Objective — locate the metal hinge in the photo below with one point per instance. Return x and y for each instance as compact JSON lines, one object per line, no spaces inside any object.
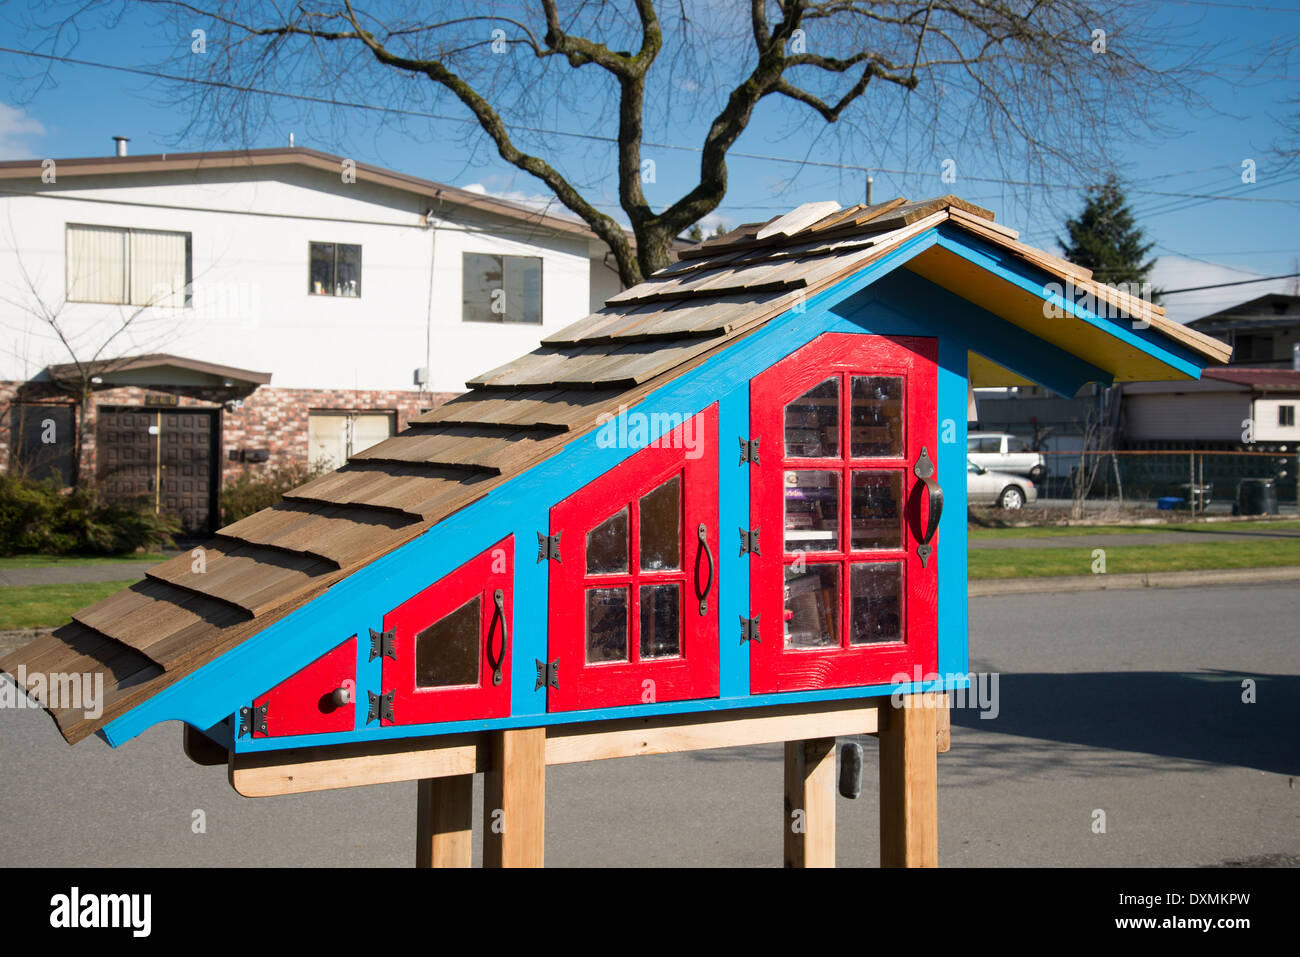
{"x":252,"y":720}
{"x":749,"y":451}
{"x":382,"y":643}
{"x":548,"y":546}
{"x":381,"y":707}
{"x":749,"y":541}
{"x":749,"y":629}
{"x":548,"y":674}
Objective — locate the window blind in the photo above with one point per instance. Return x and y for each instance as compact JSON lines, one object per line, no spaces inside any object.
{"x":157,"y":268}
{"x":96,"y":264}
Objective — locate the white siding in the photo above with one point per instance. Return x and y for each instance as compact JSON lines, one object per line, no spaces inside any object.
{"x":251,"y":309}
{"x":1266,"y":418}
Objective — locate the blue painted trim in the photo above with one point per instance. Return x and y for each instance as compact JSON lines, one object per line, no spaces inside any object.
{"x":954,"y":319}
{"x":864,"y":316}
{"x":1038,"y":283}
{"x":938,"y":682}
{"x":522,"y":505}
{"x":733,"y":514}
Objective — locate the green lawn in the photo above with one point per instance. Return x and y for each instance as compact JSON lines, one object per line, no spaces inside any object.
{"x":1045,"y":562}
{"x":1055,"y":531}
{"x":46,"y":606}
{"x":48,"y":561}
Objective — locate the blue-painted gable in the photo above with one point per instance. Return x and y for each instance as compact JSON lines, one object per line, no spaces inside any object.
{"x":879,"y":299}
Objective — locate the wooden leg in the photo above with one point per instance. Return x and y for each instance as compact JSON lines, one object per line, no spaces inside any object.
{"x":810,"y":803}
{"x":909,"y":784}
{"x":445,"y":821}
{"x":514,"y":799}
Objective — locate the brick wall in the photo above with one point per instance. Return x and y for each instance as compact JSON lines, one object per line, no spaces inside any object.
{"x":276,"y":419}
{"x":266,"y":418}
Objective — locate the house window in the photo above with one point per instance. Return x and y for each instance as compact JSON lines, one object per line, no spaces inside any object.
{"x":42,"y":441}
{"x":502,"y":288}
{"x":1252,"y":347}
{"x":839,"y":589}
{"x":131,"y":267}
{"x":333,"y":269}
{"x":633,"y":601}
{"x":1286,"y":415}
{"x":451,"y":646}
{"x":334,"y":436}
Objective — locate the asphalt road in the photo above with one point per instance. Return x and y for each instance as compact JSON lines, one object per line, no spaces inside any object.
{"x":1125,"y":702}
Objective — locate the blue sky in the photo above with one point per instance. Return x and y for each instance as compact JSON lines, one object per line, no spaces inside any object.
{"x":1250,"y":76}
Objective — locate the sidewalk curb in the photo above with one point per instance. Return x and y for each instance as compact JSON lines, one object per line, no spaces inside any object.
{"x":1222,"y":576}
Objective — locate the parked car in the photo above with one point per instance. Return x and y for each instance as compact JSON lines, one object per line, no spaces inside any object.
{"x":990,"y":487}
{"x":1005,"y":453}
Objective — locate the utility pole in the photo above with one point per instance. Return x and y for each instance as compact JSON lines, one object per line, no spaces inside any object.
{"x":869,"y":182}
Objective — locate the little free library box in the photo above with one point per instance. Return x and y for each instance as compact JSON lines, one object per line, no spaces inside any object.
{"x":727,"y":509}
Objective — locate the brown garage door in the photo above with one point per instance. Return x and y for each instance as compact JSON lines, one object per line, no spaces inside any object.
{"x":168,"y":455}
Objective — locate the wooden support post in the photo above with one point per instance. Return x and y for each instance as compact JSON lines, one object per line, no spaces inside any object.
{"x":909,"y":784}
{"x":810,"y":803}
{"x":445,"y":821}
{"x":514,"y":799}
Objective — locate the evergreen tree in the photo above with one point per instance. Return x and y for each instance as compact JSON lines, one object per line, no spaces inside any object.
{"x":696,"y":232}
{"x":1106,"y":239}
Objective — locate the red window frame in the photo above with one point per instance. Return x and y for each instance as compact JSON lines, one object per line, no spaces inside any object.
{"x":305,"y":704}
{"x":773,"y":666}
{"x":481,"y":576}
{"x":692,"y":674}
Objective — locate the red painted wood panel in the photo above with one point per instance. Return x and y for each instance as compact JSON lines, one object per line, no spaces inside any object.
{"x":689,"y":451}
{"x":774,"y":665}
{"x":481,"y":576}
{"x":304,"y":703}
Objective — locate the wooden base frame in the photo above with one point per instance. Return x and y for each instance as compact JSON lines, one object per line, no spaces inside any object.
{"x":514,"y":763}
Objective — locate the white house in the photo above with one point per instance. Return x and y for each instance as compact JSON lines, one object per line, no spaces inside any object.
{"x":257,"y":308}
{"x":1226,"y":407}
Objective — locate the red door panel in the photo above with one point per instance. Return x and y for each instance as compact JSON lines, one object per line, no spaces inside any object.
{"x":840,"y":590}
{"x":447,"y":642}
{"x":306,"y":702}
{"x":633,"y":615}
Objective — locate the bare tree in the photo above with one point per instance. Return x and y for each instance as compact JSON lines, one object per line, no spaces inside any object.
{"x":1041,"y":86}
{"x":1084,"y":476}
{"x":92,"y":349}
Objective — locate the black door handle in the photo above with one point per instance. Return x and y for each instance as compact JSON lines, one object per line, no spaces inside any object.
{"x":703,"y":596}
{"x":498,"y":599}
{"x":924,"y":470}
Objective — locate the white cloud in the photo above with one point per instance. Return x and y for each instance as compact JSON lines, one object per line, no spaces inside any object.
{"x":16,"y":129}
{"x":1176,"y":272}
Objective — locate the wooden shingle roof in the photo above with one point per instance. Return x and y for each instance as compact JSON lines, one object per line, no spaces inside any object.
{"x":260,"y":569}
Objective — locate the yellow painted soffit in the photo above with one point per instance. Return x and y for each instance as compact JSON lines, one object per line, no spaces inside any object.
{"x":1025,"y":311}
{"x":987,"y":374}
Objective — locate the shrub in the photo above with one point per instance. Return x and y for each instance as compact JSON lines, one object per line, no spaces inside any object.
{"x":40,"y":516}
{"x":254,"y":491}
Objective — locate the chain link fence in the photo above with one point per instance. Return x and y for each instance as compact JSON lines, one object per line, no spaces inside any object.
{"x":1196,"y":480}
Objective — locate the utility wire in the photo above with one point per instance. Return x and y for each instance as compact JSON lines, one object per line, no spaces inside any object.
{"x":593,"y":137}
{"x":1221,"y":285}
